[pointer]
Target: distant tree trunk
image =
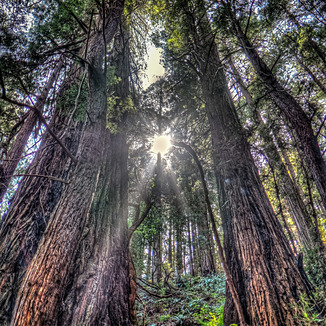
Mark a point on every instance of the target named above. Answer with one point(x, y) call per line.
point(8, 168)
point(196, 248)
point(157, 258)
point(157, 244)
point(191, 256)
point(207, 263)
point(170, 253)
point(149, 262)
point(291, 109)
point(263, 267)
point(178, 220)
point(179, 250)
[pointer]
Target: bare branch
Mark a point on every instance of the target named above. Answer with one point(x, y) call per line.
point(154, 294)
point(139, 220)
point(37, 175)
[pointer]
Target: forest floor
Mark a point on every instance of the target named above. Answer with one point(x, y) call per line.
point(185, 301)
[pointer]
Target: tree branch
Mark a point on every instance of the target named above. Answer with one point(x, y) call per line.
point(42, 120)
point(37, 175)
point(140, 220)
point(154, 294)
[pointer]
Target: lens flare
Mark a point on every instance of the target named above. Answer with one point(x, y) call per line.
point(161, 144)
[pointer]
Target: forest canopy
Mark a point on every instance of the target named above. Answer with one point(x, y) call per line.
point(199, 199)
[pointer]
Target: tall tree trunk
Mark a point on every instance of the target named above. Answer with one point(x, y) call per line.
point(101, 280)
point(288, 188)
point(190, 246)
point(22, 227)
point(157, 244)
point(291, 109)
point(178, 220)
point(149, 263)
point(207, 256)
point(100, 289)
point(8, 168)
point(261, 262)
point(228, 276)
point(46, 280)
point(170, 255)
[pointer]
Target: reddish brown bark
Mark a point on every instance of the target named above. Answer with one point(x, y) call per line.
point(11, 161)
point(48, 276)
point(288, 188)
point(291, 110)
point(260, 260)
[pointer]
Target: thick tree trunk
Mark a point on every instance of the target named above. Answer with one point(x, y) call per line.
point(292, 111)
point(288, 188)
point(101, 291)
point(47, 277)
point(261, 262)
point(22, 227)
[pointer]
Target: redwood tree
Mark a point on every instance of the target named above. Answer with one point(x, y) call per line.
point(290, 108)
point(262, 265)
point(86, 195)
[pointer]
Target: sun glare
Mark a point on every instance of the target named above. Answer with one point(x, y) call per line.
point(161, 144)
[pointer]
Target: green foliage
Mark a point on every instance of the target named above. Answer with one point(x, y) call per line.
point(66, 103)
point(307, 311)
point(198, 301)
point(314, 267)
point(116, 110)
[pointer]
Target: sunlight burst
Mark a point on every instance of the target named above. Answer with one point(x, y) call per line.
point(161, 144)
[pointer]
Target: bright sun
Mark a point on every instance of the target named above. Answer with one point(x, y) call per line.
point(161, 144)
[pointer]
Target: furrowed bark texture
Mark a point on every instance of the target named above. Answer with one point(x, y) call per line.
point(289, 189)
point(45, 283)
point(258, 255)
point(8, 168)
point(41, 291)
point(292, 111)
point(22, 227)
point(100, 291)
